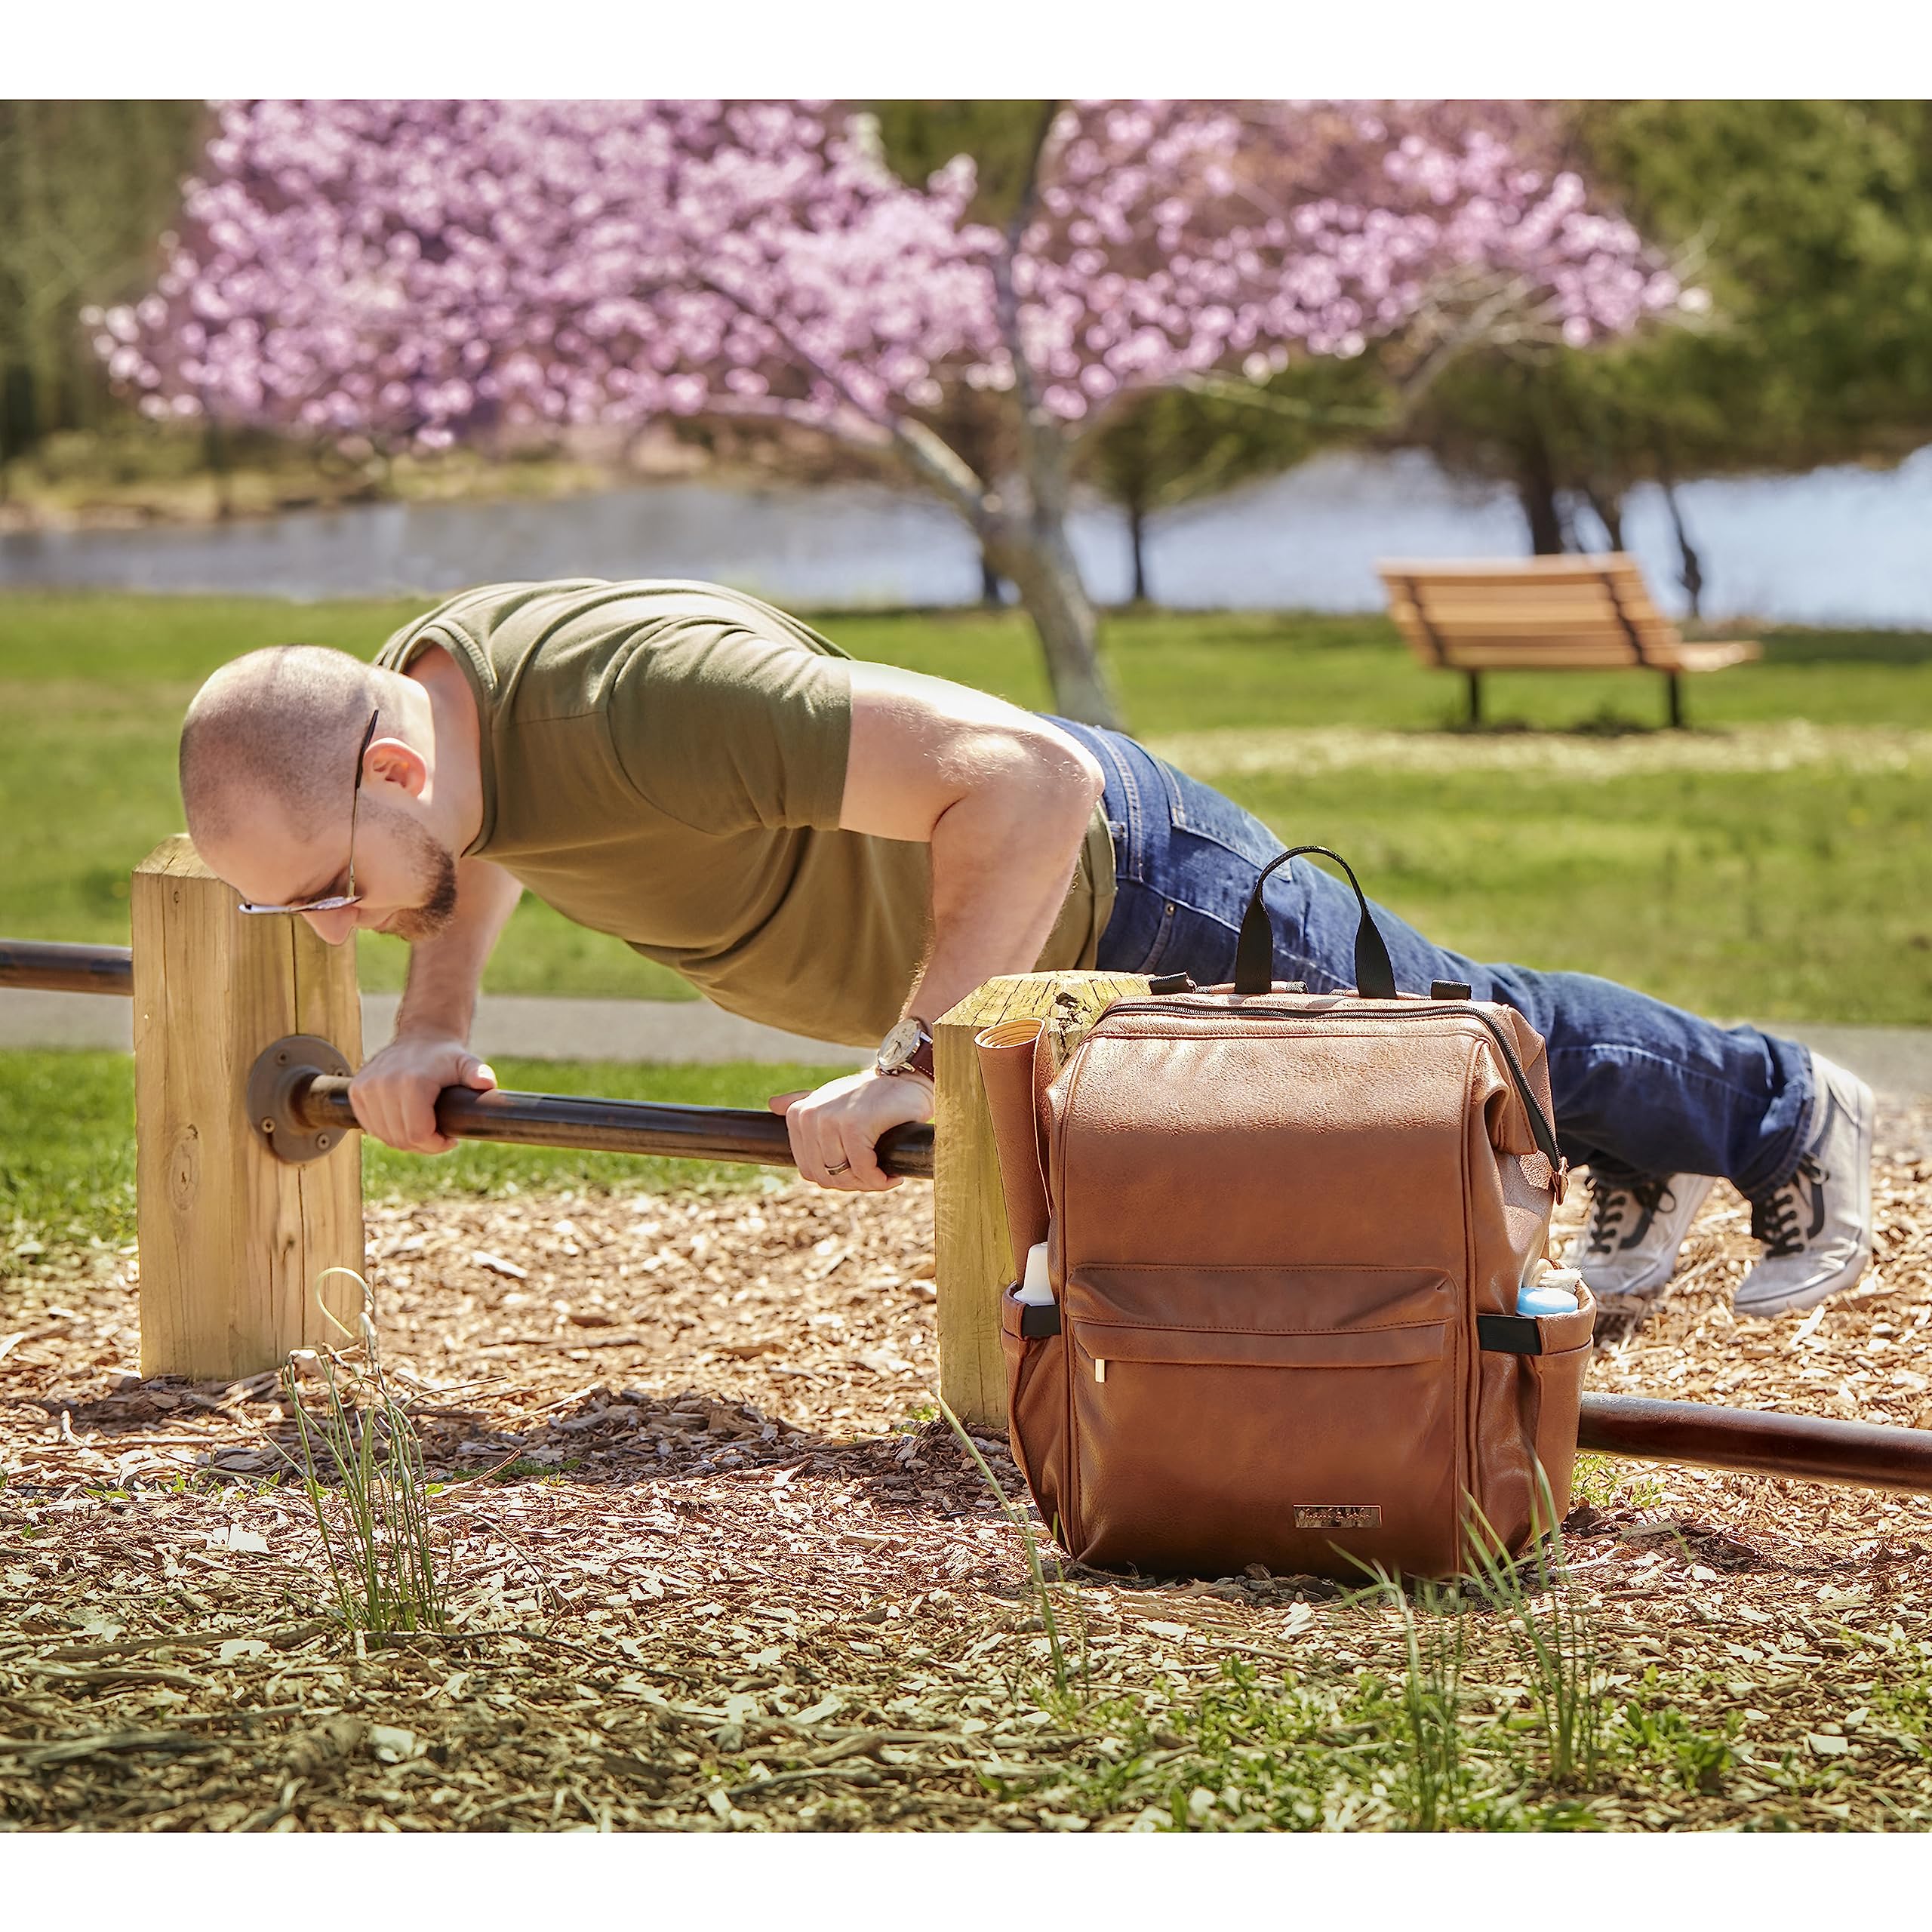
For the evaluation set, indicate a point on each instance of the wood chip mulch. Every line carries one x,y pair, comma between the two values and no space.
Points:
726,1571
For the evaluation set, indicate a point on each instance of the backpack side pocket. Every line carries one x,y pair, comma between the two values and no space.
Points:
1556,1377
1036,1410
1527,1413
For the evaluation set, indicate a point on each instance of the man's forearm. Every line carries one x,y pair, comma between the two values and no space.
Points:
1001,862
446,972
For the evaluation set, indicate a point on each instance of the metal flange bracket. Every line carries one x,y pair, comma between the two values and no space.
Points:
276,1081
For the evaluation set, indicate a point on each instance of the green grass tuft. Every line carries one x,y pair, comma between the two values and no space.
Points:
359,1461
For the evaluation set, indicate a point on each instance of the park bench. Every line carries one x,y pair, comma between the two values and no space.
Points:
1544,613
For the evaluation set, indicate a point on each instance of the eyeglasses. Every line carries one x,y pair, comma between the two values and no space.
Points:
336,901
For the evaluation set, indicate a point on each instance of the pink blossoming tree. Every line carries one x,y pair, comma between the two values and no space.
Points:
422,271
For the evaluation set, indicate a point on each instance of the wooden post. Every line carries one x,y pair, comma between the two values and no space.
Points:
974,1258
232,1240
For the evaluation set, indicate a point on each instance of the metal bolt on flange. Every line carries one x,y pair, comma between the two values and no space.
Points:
281,1073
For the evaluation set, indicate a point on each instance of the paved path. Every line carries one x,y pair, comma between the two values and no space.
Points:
1896,1060
691,1031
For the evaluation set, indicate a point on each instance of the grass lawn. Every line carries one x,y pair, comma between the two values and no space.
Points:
1800,897
1775,888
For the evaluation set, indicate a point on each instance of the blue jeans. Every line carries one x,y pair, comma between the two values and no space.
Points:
1641,1088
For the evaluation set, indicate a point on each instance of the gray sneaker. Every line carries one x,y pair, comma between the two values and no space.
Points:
1816,1229
1627,1250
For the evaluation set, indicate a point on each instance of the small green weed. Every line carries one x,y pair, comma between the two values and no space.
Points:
1664,1737
527,1468
1432,1698
1554,1638
361,1465
1606,1483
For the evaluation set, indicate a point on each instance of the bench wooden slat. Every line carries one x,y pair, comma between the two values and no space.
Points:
1559,657
1479,655
1500,654
1552,602
1547,570
1582,600
1542,624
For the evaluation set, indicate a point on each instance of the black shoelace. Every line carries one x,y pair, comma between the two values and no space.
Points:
1776,1217
1608,1205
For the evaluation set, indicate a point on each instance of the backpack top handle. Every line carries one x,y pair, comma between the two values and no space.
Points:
1254,953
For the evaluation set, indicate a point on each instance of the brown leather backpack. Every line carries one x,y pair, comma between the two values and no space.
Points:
1286,1236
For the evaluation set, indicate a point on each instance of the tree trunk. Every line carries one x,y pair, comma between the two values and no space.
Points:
1029,547
1033,553
989,590
1136,536
214,453
1609,507
1536,491
1690,571
18,424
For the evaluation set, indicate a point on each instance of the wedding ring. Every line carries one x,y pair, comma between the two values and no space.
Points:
838,1168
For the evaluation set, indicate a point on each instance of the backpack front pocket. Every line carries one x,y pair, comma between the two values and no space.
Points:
1307,1418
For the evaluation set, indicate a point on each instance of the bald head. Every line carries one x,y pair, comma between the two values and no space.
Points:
279,726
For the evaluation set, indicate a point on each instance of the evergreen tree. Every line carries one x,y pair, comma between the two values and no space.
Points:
1810,224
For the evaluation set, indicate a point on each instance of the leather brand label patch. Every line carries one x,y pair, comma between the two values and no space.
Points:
1338,1515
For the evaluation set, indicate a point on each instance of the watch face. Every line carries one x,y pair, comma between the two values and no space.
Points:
898,1046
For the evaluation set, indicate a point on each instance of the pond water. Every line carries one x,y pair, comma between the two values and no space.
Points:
1839,546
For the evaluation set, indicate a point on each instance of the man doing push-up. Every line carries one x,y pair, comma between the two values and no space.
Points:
845,850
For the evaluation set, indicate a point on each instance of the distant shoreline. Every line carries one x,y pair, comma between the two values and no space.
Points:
1837,548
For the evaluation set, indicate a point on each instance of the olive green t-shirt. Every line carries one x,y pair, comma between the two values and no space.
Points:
666,762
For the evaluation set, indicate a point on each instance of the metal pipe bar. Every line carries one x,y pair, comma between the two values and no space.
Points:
298,1099
52,966
612,1127
1759,1441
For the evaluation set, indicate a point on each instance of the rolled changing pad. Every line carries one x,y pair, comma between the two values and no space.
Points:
1010,1070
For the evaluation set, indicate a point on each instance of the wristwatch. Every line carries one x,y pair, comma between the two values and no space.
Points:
908,1048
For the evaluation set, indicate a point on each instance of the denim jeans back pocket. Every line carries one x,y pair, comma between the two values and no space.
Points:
1126,802
1163,938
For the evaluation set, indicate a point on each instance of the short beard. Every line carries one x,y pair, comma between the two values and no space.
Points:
439,906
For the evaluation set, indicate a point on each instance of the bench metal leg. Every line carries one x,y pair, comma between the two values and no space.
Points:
1475,696
1676,684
